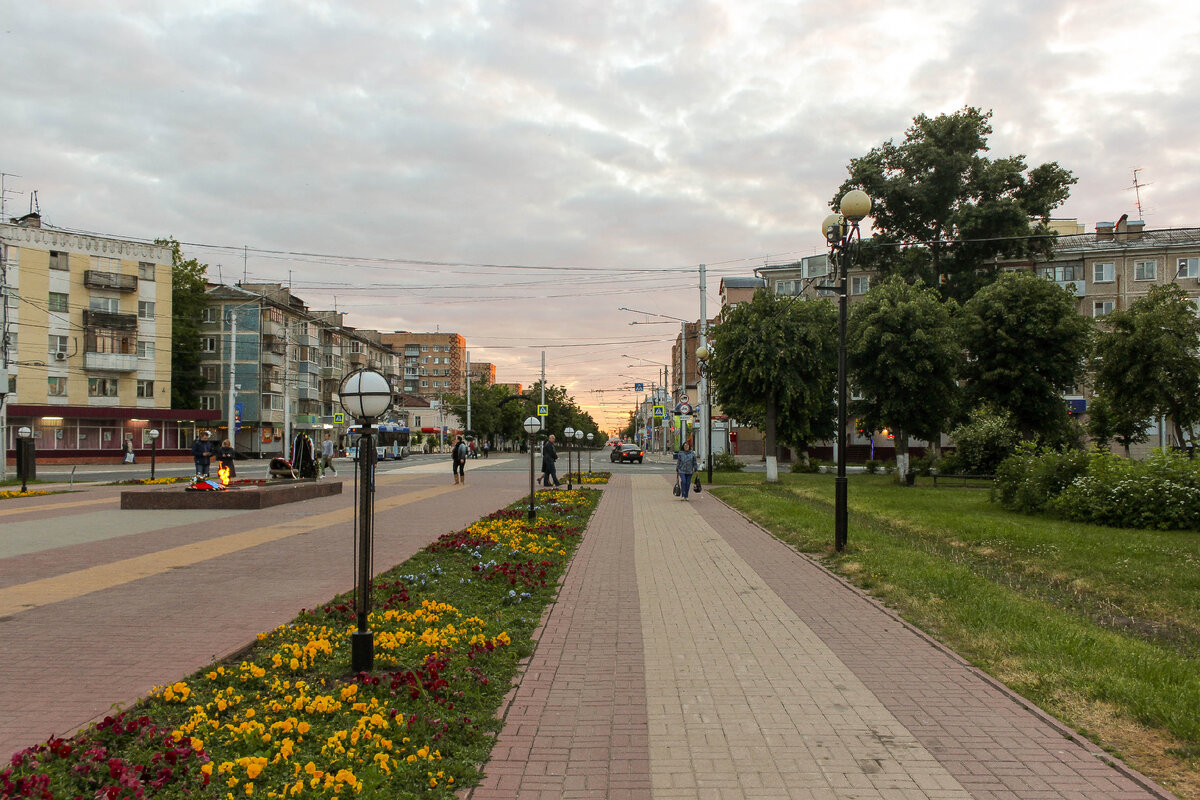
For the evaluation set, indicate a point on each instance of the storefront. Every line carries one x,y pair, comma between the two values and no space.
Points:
82,435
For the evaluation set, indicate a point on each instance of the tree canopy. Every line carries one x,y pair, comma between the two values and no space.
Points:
494,414
1147,365
1026,347
903,356
939,185
775,365
188,281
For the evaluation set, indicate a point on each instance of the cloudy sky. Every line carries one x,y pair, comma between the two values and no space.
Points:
516,170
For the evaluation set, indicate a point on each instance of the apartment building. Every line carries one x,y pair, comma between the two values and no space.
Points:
483,372
284,363
434,364
88,344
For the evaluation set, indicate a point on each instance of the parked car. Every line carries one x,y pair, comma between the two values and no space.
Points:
627,452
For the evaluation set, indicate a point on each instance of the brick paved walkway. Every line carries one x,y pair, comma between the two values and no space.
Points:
760,675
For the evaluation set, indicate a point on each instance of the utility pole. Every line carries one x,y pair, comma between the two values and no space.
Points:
4,361
232,373
287,387
702,388
543,387
468,390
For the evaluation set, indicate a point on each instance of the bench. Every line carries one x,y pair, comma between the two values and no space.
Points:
962,478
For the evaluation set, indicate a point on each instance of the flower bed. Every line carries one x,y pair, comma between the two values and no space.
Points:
151,481
590,477
451,625
8,495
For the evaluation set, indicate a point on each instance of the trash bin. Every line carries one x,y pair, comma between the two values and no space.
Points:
910,478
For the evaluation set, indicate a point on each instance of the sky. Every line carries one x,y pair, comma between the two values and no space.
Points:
517,170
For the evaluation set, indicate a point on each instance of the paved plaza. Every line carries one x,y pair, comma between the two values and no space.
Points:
690,654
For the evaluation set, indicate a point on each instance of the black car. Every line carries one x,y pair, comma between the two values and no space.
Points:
627,452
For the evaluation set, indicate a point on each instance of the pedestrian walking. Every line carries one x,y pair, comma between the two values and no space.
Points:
202,451
458,460
549,456
686,465
127,455
225,455
327,455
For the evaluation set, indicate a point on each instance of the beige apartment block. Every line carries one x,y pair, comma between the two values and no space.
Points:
88,355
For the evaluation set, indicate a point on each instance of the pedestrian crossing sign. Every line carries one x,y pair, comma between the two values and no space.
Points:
543,410
658,412
339,418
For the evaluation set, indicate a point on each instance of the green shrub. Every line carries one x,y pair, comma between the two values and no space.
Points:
727,462
872,467
922,466
1162,492
809,466
986,439
1030,478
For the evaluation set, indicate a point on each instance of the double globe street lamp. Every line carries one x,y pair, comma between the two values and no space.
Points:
568,435
366,396
532,426
703,354
844,239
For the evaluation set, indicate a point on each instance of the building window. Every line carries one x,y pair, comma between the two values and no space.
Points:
59,260
1104,272
424,348
208,344
56,386
109,305
860,284
58,344
145,309
210,402
146,270
102,387
1102,307
211,314
145,389
1189,268
58,301
1064,273
1145,270
424,383
145,349
210,374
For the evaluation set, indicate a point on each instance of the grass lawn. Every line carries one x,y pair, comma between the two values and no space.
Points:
1099,626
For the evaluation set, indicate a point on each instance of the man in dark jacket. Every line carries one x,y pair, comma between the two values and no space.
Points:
202,451
549,456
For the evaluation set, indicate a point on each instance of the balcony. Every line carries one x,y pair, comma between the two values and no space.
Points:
357,359
111,362
330,372
95,279
272,357
272,329
1076,288
109,320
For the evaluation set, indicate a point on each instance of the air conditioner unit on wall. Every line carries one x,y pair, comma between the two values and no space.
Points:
60,356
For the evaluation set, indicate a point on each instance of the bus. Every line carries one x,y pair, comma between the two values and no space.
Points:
391,440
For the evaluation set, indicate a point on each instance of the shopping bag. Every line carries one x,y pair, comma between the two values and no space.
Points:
696,488
675,490
129,458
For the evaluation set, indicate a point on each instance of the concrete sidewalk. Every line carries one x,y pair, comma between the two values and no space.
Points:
692,655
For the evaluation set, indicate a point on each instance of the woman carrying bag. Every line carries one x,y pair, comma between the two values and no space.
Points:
686,465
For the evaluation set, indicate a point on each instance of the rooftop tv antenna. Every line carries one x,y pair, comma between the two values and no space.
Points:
1137,190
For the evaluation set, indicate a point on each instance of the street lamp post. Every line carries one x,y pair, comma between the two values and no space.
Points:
842,233
366,396
703,354
153,451
532,426
579,454
589,438
24,434
568,435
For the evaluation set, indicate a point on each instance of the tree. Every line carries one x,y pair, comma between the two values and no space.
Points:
1147,365
1026,347
188,282
903,356
938,185
775,367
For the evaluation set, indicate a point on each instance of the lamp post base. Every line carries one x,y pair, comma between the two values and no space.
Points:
839,513
362,651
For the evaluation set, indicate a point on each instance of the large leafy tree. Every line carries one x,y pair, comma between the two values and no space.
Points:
775,366
903,356
1147,365
937,186
1026,347
492,412
188,281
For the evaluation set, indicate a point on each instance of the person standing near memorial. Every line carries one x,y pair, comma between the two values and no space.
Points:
202,451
